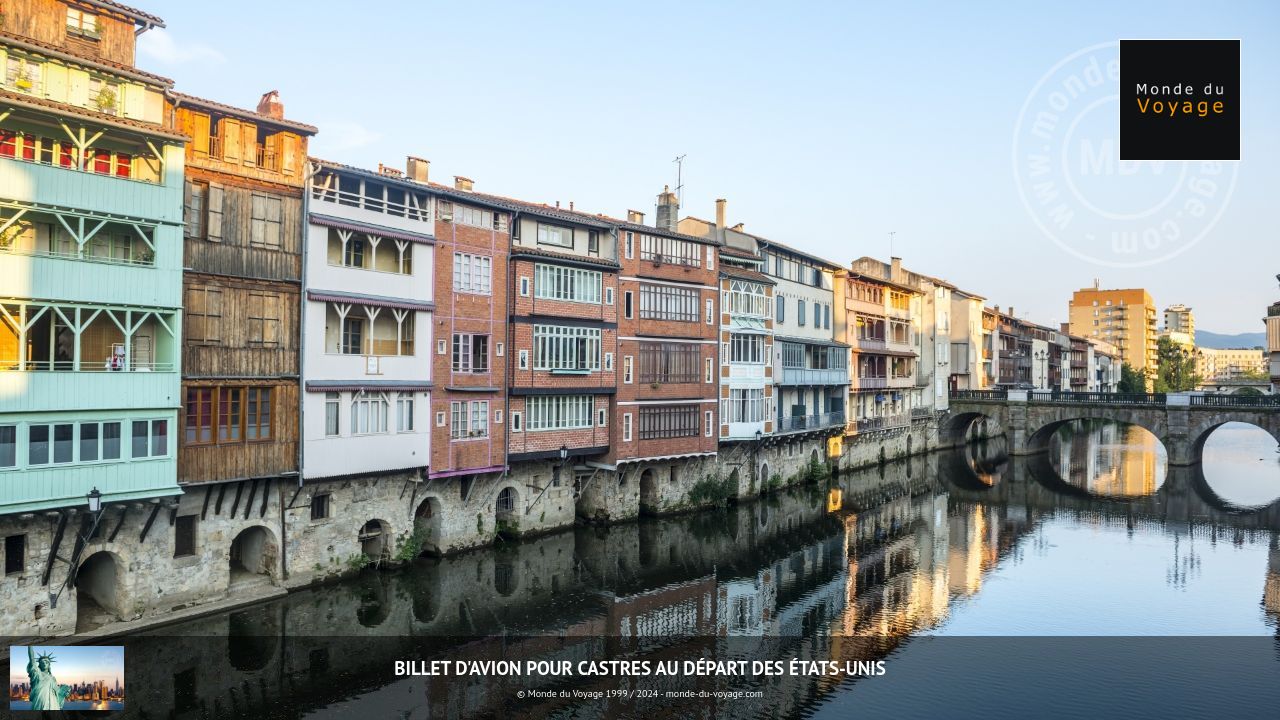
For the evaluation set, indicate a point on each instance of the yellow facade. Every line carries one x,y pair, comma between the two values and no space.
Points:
1124,318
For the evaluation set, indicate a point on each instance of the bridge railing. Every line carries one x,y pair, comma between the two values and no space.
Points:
1098,398
1264,401
979,394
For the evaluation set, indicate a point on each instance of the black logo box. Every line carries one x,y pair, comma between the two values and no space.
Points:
1187,68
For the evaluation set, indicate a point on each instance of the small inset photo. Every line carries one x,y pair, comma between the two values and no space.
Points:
52,677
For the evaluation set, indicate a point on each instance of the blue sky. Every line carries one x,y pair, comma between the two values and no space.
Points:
73,663
826,126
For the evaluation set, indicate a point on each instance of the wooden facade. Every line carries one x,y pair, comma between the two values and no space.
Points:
108,34
244,225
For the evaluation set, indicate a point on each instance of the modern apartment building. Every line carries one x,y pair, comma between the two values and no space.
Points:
1124,318
1272,323
1180,319
91,257
1231,363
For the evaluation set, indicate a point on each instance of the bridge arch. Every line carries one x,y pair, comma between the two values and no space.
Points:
1043,422
1200,432
956,429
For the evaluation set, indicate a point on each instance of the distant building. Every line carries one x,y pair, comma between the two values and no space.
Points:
1125,318
1273,342
1180,319
1229,364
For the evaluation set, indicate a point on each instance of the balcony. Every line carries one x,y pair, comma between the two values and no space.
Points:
744,371
800,423
814,376
27,182
886,422
87,391
869,383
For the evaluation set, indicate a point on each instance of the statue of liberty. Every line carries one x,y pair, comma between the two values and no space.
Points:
46,693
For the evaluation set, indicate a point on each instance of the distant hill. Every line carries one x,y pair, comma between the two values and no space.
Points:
1204,338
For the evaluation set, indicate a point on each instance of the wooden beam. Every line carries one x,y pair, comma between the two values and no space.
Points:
248,503
222,491
53,547
266,495
204,511
85,521
146,527
124,512
173,515
295,497
235,506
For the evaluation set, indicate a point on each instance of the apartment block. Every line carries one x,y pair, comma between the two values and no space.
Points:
1125,318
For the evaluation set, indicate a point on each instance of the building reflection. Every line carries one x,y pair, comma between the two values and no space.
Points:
1109,459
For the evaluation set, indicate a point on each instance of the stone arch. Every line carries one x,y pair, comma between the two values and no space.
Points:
506,577
763,475
254,554
506,508
814,458
955,429
1043,423
1199,434
252,637
649,493
375,540
101,595
428,521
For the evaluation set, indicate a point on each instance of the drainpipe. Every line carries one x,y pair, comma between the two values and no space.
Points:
302,361
511,352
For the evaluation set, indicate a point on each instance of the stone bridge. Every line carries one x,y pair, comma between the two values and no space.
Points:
1181,422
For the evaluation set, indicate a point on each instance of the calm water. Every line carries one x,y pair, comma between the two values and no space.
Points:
1091,581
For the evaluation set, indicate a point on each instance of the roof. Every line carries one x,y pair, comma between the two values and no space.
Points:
745,274
369,229
403,182
133,13
357,385
767,243
45,48
810,341
518,250
28,101
541,209
651,230
738,252
369,300
184,98
881,281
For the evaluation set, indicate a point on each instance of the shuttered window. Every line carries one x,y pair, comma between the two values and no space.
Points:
264,320
265,225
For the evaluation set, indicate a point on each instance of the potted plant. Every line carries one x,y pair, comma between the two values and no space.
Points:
24,81
106,99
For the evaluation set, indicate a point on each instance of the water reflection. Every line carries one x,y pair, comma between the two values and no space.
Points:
1109,459
1242,465
968,542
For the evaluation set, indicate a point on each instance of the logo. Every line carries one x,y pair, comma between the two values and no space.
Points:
1180,99
1087,198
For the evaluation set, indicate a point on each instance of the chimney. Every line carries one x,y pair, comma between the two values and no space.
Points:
1097,284
737,228
570,206
271,106
721,206
668,210
895,269
416,168
1011,313
462,183
635,216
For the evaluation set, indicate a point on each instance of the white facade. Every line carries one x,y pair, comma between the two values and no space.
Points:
367,324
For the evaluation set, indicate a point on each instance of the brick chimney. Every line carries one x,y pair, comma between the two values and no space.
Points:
721,211
635,216
462,183
417,169
668,210
271,106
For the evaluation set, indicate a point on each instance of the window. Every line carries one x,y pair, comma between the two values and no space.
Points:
197,201
626,368
711,258
352,335
668,421
782,309
204,315
626,305
38,445
184,536
554,235
608,361
8,446
524,287
745,406
626,427
745,298
111,441
800,313
264,221
746,349
593,242
559,412
497,416
199,430
708,423
150,438
517,422
469,419
15,554
826,317
353,252
320,506
332,406
230,414
264,320
709,370
561,348
257,425
473,216
663,302
669,362
711,311
369,414
523,360
404,412
553,282
81,23
669,250
440,419
608,296
470,353
472,273
629,249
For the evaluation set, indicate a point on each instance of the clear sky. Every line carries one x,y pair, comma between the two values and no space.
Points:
826,126
73,664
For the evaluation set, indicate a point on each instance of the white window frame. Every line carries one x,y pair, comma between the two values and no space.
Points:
517,424
556,282
370,413
628,368
472,274
404,412
559,412
559,348
626,427
709,421
468,420
710,369
523,361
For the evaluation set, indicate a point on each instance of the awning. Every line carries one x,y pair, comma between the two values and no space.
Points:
371,385
890,353
370,300
369,229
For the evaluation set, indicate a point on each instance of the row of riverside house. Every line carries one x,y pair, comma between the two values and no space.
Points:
228,368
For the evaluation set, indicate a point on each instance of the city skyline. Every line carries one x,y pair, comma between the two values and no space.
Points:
73,664
804,88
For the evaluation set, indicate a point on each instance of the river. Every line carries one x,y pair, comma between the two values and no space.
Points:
1093,581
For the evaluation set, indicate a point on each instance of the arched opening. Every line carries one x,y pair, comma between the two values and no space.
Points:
504,509
734,478
1104,457
762,479
99,591
253,557
648,492
252,636
1241,464
505,580
426,523
374,604
373,541
966,427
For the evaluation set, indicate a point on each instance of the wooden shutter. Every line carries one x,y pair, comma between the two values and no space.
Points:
249,146
214,230
258,220
288,153
199,130
229,131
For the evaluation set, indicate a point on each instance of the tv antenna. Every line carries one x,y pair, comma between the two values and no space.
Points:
679,161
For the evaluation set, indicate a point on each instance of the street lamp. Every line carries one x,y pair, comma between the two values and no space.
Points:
564,453
95,501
